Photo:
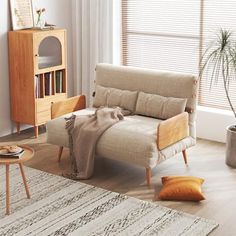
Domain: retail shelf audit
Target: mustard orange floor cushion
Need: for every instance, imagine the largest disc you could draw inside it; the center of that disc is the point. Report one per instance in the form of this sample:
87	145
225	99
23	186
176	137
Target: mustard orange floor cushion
181	188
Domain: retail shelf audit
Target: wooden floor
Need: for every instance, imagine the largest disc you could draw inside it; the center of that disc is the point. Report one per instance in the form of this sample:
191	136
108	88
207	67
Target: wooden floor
206	160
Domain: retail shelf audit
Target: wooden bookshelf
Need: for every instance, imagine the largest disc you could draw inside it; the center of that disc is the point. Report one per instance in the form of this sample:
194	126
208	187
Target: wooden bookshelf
38	74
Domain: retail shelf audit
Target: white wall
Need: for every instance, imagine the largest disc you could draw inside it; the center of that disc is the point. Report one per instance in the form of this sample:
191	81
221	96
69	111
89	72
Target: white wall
57	12
212	123
5	123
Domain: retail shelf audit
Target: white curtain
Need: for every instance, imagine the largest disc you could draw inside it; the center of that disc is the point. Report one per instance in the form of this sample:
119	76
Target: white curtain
92	41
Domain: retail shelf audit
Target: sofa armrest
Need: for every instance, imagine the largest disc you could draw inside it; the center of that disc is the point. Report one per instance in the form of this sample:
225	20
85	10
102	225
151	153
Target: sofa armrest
67	106
172	130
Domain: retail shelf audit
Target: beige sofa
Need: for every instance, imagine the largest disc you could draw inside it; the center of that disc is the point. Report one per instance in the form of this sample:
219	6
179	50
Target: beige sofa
140	140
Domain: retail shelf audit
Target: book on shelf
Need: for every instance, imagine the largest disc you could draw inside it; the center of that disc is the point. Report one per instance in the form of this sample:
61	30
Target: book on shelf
48	83
37	86
59	80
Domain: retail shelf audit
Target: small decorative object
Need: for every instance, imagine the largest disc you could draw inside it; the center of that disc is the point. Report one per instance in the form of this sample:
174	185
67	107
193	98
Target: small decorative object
219	63
21	14
11	151
40	22
49	26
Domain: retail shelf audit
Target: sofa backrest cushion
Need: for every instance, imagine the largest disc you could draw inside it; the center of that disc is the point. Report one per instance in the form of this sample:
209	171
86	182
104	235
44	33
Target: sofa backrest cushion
163	83
112	97
158	106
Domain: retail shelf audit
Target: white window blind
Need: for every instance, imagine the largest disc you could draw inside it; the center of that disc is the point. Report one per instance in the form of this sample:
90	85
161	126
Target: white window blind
172	34
217	14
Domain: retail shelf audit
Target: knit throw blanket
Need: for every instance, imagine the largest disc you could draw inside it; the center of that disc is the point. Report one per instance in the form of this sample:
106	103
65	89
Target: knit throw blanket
84	133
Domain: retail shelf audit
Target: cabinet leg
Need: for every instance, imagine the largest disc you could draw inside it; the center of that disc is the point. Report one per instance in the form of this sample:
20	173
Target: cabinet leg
18	127
36	131
24	180
7	189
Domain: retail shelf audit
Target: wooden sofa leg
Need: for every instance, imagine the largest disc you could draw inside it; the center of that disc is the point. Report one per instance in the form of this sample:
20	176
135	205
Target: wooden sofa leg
148	175
60	153
185	157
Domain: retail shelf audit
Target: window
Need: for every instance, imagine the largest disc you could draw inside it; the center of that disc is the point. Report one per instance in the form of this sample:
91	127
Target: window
172	34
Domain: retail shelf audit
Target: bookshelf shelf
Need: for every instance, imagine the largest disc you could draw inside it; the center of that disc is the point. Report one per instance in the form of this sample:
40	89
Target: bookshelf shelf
38	74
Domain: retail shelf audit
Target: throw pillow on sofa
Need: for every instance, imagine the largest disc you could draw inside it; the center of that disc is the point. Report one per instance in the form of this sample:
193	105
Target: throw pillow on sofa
101	96
158	106
112	97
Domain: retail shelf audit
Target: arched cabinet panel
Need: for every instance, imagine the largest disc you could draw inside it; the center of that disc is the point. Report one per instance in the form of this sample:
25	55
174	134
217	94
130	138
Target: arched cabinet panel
50	52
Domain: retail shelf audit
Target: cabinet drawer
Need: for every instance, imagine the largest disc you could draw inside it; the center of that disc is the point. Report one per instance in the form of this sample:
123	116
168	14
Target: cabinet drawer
43	117
44	104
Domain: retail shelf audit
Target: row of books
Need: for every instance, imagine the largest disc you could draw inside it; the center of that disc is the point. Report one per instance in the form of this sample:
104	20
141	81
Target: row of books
48	87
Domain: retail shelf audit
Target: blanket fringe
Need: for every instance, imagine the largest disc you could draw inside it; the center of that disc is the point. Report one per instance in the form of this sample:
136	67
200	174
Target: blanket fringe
70	123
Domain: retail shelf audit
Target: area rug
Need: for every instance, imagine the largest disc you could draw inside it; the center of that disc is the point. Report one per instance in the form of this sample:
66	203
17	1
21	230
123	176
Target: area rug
60	206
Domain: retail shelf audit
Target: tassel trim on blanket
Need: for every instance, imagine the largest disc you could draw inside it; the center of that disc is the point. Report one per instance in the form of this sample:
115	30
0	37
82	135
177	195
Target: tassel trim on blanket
70	123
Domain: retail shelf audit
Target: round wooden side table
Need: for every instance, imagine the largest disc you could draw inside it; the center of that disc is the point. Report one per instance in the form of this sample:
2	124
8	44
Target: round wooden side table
27	155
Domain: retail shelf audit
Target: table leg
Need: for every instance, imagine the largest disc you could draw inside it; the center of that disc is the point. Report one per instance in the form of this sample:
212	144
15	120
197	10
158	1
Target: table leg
36	131
7	189
18	127
24	180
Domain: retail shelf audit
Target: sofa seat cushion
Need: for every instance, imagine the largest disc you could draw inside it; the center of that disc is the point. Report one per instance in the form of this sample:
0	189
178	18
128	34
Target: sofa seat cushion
132	140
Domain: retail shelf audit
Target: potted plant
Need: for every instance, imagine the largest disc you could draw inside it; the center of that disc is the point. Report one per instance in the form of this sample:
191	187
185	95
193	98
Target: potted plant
219	62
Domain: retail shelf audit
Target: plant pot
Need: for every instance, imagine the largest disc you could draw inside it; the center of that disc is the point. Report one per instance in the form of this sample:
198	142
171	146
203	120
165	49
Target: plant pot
231	146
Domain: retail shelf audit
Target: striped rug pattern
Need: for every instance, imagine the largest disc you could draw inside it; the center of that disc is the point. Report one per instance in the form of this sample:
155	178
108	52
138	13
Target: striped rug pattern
60	206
